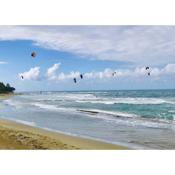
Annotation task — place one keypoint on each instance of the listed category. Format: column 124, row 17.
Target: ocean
column 139, row 119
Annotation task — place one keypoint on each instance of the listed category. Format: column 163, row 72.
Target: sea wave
column 14, row 103
column 52, row 107
column 136, row 101
column 60, row 97
column 116, row 114
column 96, row 99
column 26, row 122
column 130, row 119
column 119, row 117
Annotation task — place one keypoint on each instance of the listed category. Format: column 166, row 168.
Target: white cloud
column 108, row 73
column 137, row 72
column 51, row 72
column 3, row 62
column 137, row 44
column 32, row 74
column 169, row 69
column 63, row 76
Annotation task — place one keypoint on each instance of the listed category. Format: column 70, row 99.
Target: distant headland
column 6, row 88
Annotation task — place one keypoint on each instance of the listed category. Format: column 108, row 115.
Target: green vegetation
column 6, row 88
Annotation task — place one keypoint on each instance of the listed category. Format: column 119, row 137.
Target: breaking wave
column 136, row 101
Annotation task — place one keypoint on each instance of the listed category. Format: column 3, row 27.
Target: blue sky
column 64, row 52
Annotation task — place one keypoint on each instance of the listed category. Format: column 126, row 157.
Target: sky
column 65, row 52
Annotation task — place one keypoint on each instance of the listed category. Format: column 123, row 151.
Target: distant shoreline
column 21, row 92
column 4, row 96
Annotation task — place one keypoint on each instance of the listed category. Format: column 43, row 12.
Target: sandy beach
column 19, row 136
column 15, row 135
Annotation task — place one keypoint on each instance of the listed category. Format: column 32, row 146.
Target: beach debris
column 147, row 68
column 149, row 73
column 75, row 80
column 33, row 54
column 81, row 76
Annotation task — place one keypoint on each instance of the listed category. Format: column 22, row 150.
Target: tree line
column 6, row 88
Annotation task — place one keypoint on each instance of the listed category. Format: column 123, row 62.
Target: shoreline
column 5, row 96
column 14, row 135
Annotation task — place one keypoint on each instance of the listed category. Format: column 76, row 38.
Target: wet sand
column 19, row 136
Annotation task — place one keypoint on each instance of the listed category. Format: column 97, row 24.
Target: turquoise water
column 156, row 104
column 142, row 119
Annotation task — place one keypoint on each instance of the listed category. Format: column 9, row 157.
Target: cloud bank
column 139, row 45
column 168, row 70
column 51, row 74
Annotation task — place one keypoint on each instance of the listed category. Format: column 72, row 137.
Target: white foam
column 90, row 98
column 45, row 106
column 13, row 103
column 96, row 101
column 61, row 96
column 144, row 101
column 26, row 122
column 51, row 107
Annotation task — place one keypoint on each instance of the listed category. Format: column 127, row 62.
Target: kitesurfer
column 33, row 54
column 75, row 80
